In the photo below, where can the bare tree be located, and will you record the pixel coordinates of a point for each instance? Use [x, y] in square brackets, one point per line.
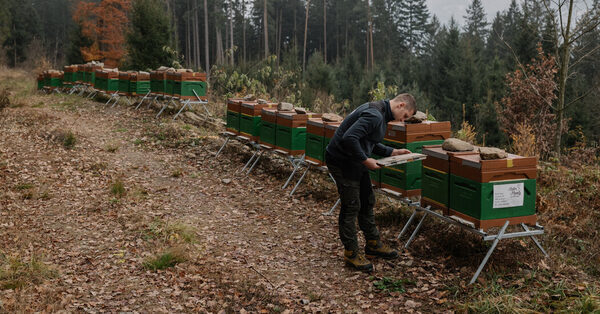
[206, 40]
[562, 12]
[266, 25]
[325, 30]
[305, 32]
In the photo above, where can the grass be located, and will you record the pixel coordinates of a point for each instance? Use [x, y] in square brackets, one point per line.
[169, 258]
[24, 186]
[111, 147]
[171, 231]
[16, 272]
[117, 188]
[387, 285]
[66, 138]
[177, 173]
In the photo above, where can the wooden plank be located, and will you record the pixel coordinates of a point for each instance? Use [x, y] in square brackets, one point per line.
[400, 159]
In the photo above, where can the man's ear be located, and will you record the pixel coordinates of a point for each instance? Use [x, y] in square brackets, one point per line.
[402, 105]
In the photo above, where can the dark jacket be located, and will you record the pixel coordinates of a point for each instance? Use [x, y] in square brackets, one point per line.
[360, 135]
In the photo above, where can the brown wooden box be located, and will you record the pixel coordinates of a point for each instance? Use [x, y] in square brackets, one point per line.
[70, 68]
[315, 126]
[294, 120]
[330, 128]
[234, 104]
[418, 132]
[125, 75]
[512, 168]
[490, 223]
[439, 159]
[189, 76]
[254, 109]
[139, 76]
[158, 75]
[269, 115]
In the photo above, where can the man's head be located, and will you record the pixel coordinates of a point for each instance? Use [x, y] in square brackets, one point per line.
[403, 107]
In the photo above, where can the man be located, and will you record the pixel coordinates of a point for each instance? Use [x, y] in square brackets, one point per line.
[347, 158]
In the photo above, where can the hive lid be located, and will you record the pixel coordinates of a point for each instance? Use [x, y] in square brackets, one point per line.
[316, 122]
[425, 126]
[473, 160]
[332, 125]
[269, 111]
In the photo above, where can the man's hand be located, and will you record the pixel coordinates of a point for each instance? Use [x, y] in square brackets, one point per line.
[371, 164]
[402, 151]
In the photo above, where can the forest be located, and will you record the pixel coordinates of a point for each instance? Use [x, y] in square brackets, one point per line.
[338, 54]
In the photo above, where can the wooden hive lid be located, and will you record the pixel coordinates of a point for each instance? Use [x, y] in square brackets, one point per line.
[475, 161]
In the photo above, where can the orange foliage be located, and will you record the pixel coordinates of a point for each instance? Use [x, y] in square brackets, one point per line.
[104, 22]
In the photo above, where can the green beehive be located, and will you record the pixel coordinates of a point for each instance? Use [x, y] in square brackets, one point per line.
[233, 121]
[169, 85]
[139, 87]
[476, 199]
[40, 81]
[405, 177]
[435, 186]
[290, 139]
[124, 83]
[314, 146]
[250, 125]
[268, 133]
[158, 82]
[112, 85]
[185, 89]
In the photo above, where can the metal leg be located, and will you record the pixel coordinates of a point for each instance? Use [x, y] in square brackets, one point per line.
[412, 217]
[296, 166]
[300, 180]
[249, 160]
[142, 101]
[208, 114]
[185, 104]
[255, 161]
[489, 253]
[414, 234]
[152, 102]
[535, 240]
[330, 212]
[163, 109]
[222, 147]
[117, 97]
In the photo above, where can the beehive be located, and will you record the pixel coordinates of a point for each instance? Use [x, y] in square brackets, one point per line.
[250, 118]
[158, 81]
[40, 81]
[52, 79]
[124, 83]
[268, 127]
[186, 83]
[70, 73]
[316, 139]
[170, 83]
[330, 129]
[79, 75]
[489, 192]
[107, 80]
[291, 131]
[406, 178]
[139, 83]
[233, 115]
[435, 177]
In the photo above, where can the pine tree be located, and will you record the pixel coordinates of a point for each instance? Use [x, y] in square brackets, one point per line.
[149, 40]
[5, 21]
[24, 27]
[412, 17]
[78, 40]
[476, 22]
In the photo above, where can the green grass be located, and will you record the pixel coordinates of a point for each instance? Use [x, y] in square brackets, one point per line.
[16, 272]
[68, 140]
[387, 285]
[170, 258]
[24, 186]
[177, 173]
[117, 188]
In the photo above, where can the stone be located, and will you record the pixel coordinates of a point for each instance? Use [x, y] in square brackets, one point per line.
[417, 118]
[249, 97]
[261, 101]
[456, 145]
[163, 68]
[332, 117]
[226, 181]
[300, 110]
[489, 153]
[285, 106]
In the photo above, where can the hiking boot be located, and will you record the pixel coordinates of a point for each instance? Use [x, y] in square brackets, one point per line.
[357, 261]
[375, 248]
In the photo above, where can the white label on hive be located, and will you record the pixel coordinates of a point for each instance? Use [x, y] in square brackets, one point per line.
[509, 195]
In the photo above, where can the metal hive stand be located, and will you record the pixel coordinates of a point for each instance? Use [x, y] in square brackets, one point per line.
[465, 225]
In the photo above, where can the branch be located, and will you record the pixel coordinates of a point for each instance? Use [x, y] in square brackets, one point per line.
[585, 31]
[537, 92]
[585, 56]
[580, 97]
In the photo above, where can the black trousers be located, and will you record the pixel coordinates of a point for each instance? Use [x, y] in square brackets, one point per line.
[357, 199]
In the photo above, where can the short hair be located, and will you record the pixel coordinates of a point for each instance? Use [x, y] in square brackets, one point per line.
[409, 100]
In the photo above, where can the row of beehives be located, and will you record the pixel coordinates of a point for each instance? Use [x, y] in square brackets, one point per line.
[484, 192]
[182, 83]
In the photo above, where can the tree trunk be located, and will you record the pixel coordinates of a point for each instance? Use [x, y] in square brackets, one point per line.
[206, 50]
[305, 33]
[231, 32]
[279, 31]
[325, 30]
[244, 28]
[266, 29]
[219, 58]
[187, 36]
[197, 39]
[563, 74]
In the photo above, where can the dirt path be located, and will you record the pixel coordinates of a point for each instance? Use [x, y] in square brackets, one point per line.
[254, 247]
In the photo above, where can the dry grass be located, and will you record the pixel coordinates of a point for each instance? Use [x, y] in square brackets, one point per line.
[523, 142]
[17, 272]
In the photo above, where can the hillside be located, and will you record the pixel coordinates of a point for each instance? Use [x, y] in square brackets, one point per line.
[110, 209]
